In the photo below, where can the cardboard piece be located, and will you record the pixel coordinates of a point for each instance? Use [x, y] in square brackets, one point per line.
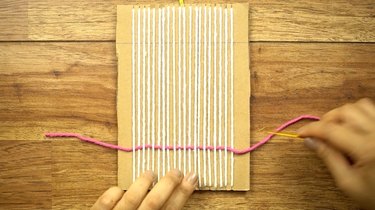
[241, 96]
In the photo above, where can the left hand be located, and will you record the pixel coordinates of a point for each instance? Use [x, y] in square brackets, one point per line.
[171, 192]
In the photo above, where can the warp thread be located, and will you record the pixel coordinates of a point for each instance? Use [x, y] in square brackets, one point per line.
[179, 147]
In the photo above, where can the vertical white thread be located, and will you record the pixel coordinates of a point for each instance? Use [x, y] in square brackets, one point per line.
[144, 90]
[168, 87]
[205, 97]
[215, 98]
[209, 96]
[162, 46]
[174, 91]
[184, 82]
[185, 125]
[232, 95]
[226, 97]
[133, 92]
[148, 89]
[199, 91]
[196, 91]
[153, 88]
[159, 90]
[190, 82]
[220, 90]
[139, 89]
[141, 130]
[179, 87]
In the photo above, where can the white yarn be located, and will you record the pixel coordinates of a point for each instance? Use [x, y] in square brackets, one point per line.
[232, 95]
[159, 91]
[168, 88]
[226, 97]
[148, 89]
[162, 46]
[209, 96]
[174, 90]
[144, 90]
[139, 89]
[133, 92]
[190, 82]
[220, 91]
[179, 86]
[184, 84]
[215, 99]
[188, 112]
[196, 91]
[153, 88]
[205, 97]
[199, 93]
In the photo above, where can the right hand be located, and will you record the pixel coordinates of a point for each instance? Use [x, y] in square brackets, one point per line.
[345, 140]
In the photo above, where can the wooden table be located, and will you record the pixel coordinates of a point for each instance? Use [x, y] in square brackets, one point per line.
[58, 72]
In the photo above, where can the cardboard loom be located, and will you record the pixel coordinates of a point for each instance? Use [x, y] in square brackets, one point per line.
[241, 95]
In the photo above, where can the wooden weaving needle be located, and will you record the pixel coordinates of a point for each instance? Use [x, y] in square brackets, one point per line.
[286, 134]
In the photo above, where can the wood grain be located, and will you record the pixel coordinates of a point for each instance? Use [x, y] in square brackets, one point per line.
[14, 20]
[273, 20]
[71, 86]
[57, 86]
[77, 181]
[25, 175]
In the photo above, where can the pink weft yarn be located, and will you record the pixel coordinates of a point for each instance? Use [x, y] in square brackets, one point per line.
[189, 147]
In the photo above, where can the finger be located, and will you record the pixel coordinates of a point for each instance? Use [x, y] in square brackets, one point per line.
[356, 118]
[336, 163]
[351, 116]
[108, 199]
[338, 136]
[137, 191]
[182, 192]
[162, 190]
[334, 116]
[367, 106]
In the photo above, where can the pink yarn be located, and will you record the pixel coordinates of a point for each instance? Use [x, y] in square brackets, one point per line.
[189, 147]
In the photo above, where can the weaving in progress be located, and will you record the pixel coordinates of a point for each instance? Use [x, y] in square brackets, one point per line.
[184, 87]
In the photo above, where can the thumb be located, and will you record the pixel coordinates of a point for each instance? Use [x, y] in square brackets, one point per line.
[337, 164]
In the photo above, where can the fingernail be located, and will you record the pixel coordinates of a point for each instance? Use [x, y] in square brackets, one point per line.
[150, 173]
[192, 178]
[300, 130]
[311, 143]
[177, 172]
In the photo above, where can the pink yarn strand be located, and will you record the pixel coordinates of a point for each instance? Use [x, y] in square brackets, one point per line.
[189, 147]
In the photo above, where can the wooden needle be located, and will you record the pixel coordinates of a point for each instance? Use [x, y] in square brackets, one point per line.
[286, 134]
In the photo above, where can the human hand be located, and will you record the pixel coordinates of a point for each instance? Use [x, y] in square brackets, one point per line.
[171, 192]
[345, 140]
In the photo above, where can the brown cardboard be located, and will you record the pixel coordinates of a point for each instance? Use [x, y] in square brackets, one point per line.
[241, 96]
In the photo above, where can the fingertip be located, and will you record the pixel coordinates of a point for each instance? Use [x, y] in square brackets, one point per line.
[176, 173]
[365, 101]
[114, 190]
[300, 132]
[338, 165]
[150, 175]
[188, 184]
[316, 130]
[311, 143]
[306, 129]
[137, 191]
[191, 178]
[162, 190]
[367, 106]
[109, 198]
[182, 193]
